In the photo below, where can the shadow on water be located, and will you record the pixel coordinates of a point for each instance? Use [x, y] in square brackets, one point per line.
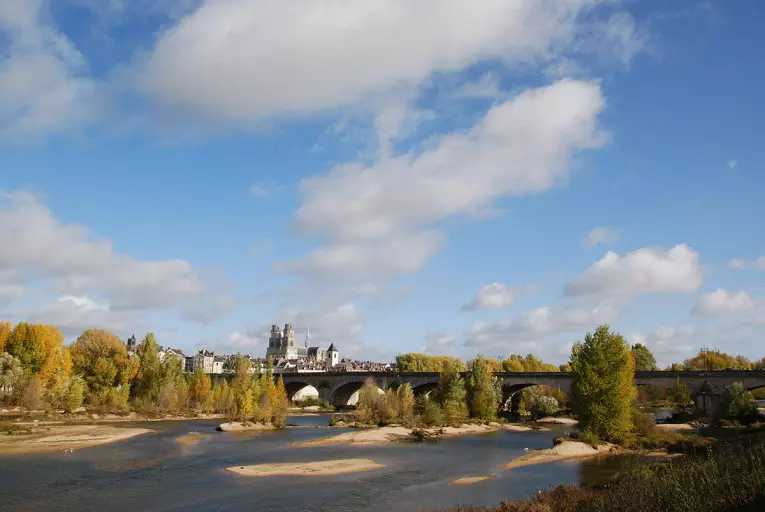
[156, 473]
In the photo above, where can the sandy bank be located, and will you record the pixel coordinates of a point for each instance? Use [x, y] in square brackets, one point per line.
[471, 480]
[192, 439]
[563, 451]
[394, 434]
[65, 438]
[674, 427]
[559, 421]
[236, 426]
[322, 468]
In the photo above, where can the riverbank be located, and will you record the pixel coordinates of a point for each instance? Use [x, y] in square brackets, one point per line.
[321, 468]
[104, 418]
[248, 426]
[57, 438]
[566, 450]
[397, 434]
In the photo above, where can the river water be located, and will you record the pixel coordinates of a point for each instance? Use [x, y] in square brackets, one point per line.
[155, 473]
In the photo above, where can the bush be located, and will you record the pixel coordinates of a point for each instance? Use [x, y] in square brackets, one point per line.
[428, 411]
[542, 406]
[739, 405]
[312, 401]
[589, 438]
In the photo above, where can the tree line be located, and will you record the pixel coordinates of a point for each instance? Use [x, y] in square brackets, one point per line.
[38, 372]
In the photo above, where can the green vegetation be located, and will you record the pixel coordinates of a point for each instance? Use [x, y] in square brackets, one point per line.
[38, 373]
[710, 482]
[484, 392]
[644, 360]
[311, 401]
[414, 362]
[604, 388]
[739, 405]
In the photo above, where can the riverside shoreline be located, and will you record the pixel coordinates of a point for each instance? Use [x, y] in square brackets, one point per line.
[56, 438]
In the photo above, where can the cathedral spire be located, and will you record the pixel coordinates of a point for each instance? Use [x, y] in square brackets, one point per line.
[307, 335]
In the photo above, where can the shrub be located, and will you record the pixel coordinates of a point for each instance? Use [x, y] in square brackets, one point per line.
[428, 411]
[542, 406]
[739, 405]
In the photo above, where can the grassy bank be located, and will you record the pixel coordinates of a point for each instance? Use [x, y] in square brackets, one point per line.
[729, 479]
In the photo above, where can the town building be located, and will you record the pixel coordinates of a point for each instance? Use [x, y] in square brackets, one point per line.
[202, 359]
[290, 357]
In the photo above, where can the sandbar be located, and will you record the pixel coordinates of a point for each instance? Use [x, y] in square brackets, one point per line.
[321, 468]
[471, 480]
[192, 439]
[564, 451]
[236, 426]
[559, 421]
[674, 427]
[65, 438]
[394, 434]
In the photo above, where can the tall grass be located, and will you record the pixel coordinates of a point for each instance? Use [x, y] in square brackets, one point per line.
[714, 482]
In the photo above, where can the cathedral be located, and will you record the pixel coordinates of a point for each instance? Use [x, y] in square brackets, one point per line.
[281, 345]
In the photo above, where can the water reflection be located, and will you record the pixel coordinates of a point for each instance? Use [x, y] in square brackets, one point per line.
[156, 473]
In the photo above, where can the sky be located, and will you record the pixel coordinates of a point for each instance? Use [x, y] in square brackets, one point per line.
[456, 178]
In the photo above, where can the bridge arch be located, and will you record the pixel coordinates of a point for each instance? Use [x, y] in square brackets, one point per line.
[299, 390]
[424, 389]
[341, 396]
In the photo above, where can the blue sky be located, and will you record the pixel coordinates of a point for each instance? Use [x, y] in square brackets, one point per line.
[459, 178]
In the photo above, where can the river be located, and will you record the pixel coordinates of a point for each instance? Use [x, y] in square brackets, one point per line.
[155, 473]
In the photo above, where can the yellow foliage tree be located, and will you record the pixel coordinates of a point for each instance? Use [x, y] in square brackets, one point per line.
[102, 359]
[5, 331]
[40, 348]
[416, 362]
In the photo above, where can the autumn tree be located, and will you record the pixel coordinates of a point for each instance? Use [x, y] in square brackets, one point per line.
[494, 365]
[102, 360]
[241, 387]
[40, 349]
[530, 363]
[604, 388]
[416, 362]
[5, 331]
[484, 393]
[644, 360]
[406, 404]
[280, 405]
[716, 360]
[75, 394]
[199, 388]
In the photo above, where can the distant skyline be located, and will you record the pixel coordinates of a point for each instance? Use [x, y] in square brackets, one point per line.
[456, 178]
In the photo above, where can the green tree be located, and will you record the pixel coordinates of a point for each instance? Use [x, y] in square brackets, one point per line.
[644, 360]
[406, 404]
[542, 406]
[451, 393]
[604, 389]
[370, 406]
[416, 362]
[739, 405]
[680, 394]
[150, 368]
[494, 365]
[11, 379]
[75, 394]
[484, 394]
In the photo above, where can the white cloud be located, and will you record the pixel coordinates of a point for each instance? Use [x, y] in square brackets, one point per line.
[228, 57]
[741, 263]
[37, 247]
[208, 310]
[72, 315]
[541, 324]
[722, 302]
[600, 235]
[641, 271]
[668, 343]
[372, 218]
[439, 343]
[495, 296]
[387, 258]
[43, 86]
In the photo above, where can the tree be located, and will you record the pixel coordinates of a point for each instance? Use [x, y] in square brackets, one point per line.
[716, 360]
[370, 406]
[530, 363]
[451, 393]
[680, 394]
[644, 360]
[739, 405]
[675, 367]
[200, 388]
[494, 365]
[150, 368]
[115, 368]
[415, 362]
[5, 332]
[604, 389]
[565, 367]
[542, 406]
[280, 405]
[40, 349]
[406, 403]
[484, 395]
[241, 387]
[75, 394]
[11, 379]
[32, 394]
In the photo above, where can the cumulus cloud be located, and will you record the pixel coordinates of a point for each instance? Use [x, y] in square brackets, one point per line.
[668, 343]
[540, 324]
[495, 296]
[641, 271]
[37, 247]
[74, 314]
[600, 235]
[744, 264]
[43, 82]
[228, 57]
[439, 343]
[372, 218]
[722, 302]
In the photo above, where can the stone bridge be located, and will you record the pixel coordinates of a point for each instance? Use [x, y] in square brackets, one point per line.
[337, 388]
